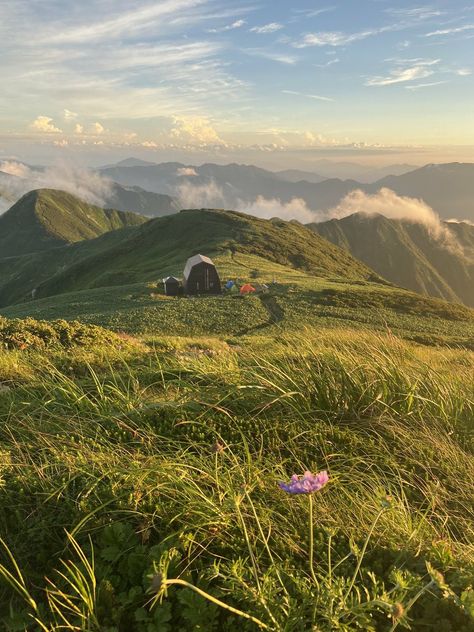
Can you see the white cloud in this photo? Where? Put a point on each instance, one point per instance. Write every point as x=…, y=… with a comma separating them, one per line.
x=420, y=69
x=269, y=208
x=149, y=144
x=272, y=27
x=89, y=186
x=78, y=129
x=61, y=143
x=98, y=128
x=195, y=130
x=127, y=23
x=451, y=31
x=69, y=115
x=419, y=86
x=418, y=13
x=331, y=62
x=282, y=58
x=387, y=203
x=200, y=196
x=317, y=97
x=228, y=27
x=13, y=168
x=45, y=124
x=186, y=171
x=463, y=72
x=333, y=38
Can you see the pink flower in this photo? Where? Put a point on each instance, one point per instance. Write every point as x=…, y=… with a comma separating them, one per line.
x=306, y=484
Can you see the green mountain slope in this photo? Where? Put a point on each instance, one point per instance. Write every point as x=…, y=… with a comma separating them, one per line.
x=408, y=254
x=47, y=218
x=162, y=246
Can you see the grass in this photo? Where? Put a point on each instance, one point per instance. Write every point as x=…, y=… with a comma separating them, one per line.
x=296, y=300
x=139, y=484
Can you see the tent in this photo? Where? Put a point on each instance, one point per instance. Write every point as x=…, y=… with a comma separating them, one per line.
x=234, y=289
x=229, y=285
x=247, y=289
x=200, y=276
x=172, y=286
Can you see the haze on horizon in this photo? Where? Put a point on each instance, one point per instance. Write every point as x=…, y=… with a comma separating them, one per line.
x=277, y=84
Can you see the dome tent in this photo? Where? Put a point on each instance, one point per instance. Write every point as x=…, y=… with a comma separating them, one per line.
x=247, y=289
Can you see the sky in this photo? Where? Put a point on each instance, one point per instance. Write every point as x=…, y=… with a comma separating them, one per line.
x=280, y=83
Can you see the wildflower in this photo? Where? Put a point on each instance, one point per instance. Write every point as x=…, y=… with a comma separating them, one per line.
x=397, y=611
x=306, y=484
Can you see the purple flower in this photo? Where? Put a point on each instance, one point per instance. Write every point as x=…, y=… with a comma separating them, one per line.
x=306, y=484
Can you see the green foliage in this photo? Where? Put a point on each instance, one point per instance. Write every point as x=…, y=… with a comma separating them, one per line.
x=138, y=485
x=33, y=334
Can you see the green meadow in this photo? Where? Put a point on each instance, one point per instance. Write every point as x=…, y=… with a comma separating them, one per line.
x=139, y=481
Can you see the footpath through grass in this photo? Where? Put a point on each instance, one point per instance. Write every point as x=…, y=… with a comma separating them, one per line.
x=139, y=484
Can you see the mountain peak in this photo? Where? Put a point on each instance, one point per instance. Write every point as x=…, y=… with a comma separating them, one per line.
x=48, y=218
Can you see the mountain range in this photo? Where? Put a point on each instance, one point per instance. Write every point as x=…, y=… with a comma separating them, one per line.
x=447, y=188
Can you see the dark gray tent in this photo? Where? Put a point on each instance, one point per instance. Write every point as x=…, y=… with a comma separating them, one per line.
x=200, y=276
x=172, y=286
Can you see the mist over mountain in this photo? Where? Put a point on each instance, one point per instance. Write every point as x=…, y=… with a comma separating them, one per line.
x=90, y=186
x=448, y=188
x=410, y=254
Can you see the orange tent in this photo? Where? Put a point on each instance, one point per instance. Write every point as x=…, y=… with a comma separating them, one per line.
x=247, y=289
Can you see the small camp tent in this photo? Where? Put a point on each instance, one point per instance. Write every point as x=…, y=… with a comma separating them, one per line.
x=229, y=285
x=247, y=289
x=200, y=276
x=172, y=286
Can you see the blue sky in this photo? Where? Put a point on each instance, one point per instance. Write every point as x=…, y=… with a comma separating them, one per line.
x=246, y=79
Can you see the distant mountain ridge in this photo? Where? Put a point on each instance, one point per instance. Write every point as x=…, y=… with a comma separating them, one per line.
x=47, y=218
x=447, y=188
x=111, y=194
x=408, y=254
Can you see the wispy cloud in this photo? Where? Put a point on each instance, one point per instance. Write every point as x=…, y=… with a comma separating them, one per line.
x=271, y=27
x=419, y=69
x=451, y=31
x=128, y=23
x=331, y=62
x=228, y=27
x=339, y=38
x=313, y=13
x=418, y=13
x=317, y=97
x=419, y=86
x=281, y=58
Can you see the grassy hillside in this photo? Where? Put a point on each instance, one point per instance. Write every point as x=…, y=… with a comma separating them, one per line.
x=47, y=218
x=409, y=254
x=295, y=301
x=162, y=246
x=140, y=483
